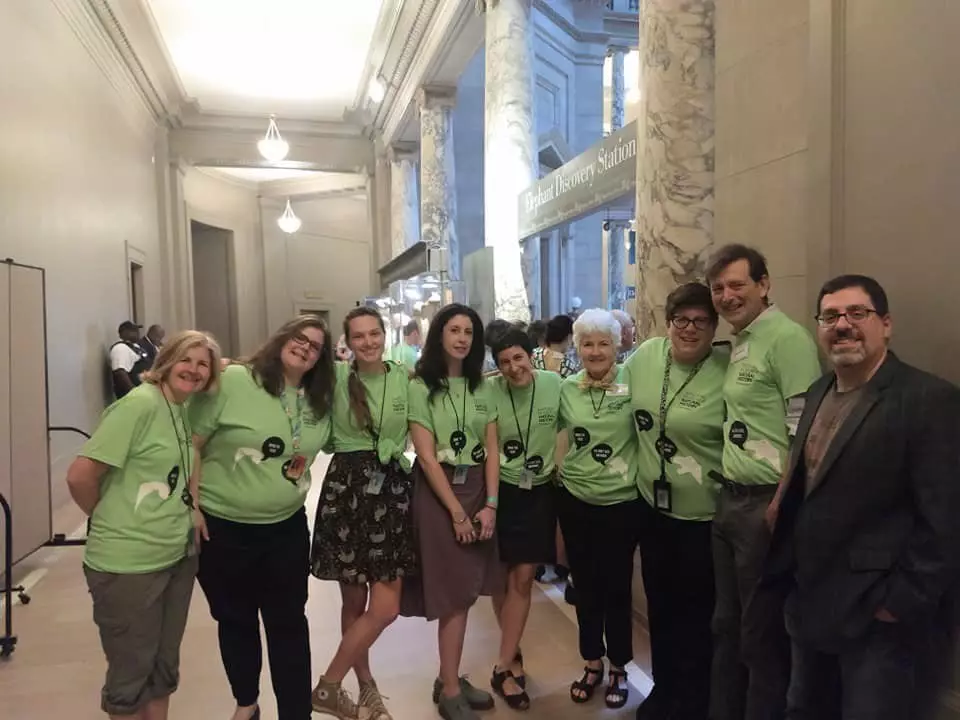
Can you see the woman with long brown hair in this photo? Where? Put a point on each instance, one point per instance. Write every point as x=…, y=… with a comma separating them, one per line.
x=362, y=536
x=258, y=438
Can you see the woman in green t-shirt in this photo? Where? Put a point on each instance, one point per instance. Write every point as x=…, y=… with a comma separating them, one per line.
x=676, y=387
x=132, y=479
x=258, y=437
x=362, y=536
x=453, y=422
x=597, y=504
x=528, y=406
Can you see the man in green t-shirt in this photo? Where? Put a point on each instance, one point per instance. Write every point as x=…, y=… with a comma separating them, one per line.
x=772, y=364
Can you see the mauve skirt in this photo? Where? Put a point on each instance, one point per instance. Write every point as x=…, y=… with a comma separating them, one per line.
x=452, y=576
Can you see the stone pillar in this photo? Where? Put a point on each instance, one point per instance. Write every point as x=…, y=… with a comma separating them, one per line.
x=509, y=152
x=532, y=276
x=617, y=90
x=404, y=200
x=616, y=266
x=554, y=263
x=675, y=154
x=569, y=268
x=438, y=197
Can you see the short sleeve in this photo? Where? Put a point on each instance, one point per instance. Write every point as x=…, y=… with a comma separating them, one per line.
x=562, y=419
x=205, y=408
x=120, y=428
x=122, y=358
x=490, y=396
x=418, y=405
x=795, y=362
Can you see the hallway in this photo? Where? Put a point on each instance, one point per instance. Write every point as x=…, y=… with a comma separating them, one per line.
x=57, y=669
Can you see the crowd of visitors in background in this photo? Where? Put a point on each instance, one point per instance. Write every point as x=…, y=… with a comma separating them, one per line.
x=797, y=529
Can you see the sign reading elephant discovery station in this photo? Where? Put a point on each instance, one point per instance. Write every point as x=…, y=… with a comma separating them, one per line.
x=601, y=174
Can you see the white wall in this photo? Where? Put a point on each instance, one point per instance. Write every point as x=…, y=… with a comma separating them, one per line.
x=77, y=183
x=233, y=206
x=327, y=265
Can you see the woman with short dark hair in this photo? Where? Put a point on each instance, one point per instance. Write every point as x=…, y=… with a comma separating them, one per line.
x=676, y=394
x=528, y=405
x=258, y=437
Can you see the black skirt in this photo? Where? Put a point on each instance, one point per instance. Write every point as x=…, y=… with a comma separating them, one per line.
x=359, y=537
x=527, y=524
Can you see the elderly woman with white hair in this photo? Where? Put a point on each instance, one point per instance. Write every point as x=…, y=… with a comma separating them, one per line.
x=597, y=504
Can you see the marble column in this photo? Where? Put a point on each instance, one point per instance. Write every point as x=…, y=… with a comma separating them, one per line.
x=616, y=266
x=438, y=197
x=617, y=90
x=509, y=153
x=569, y=268
x=675, y=154
x=404, y=200
x=555, y=289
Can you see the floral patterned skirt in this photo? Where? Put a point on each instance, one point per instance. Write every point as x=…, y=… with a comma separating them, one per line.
x=361, y=534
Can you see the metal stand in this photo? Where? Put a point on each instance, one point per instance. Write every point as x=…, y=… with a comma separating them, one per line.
x=8, y=642
x=60, y=539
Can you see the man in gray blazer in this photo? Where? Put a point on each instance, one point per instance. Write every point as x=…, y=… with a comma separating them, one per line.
x=867, y=520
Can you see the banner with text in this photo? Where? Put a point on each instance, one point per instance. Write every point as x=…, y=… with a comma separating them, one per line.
x=603, y=173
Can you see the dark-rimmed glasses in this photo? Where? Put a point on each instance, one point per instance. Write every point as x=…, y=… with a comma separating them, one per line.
x=854, y=315
x=681, y=322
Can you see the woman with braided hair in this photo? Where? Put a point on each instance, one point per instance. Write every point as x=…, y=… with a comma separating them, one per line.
x=362, y=536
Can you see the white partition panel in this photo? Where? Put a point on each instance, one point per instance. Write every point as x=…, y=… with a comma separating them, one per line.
x=24, y=459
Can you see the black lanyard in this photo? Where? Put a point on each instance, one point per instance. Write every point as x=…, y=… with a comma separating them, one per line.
x=596, y=407
x=375, y=431
x=186, y=497
x=665, y=406
x=462, y=429
x=533, y=396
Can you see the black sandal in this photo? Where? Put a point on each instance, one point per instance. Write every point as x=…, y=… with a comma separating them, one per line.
x=518, y=701
x=585, y=685
x=522, y=677
x=616, y=696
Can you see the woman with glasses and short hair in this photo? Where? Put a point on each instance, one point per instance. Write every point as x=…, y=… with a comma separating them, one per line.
x=597, y=504
x=140, y=561
x=676, y=385
x=258, y=437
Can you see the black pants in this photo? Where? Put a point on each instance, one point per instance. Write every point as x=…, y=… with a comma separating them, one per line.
x=251, y=571
x=600, y=541
x=877, y=677
x=677, y=565
x=751, y=653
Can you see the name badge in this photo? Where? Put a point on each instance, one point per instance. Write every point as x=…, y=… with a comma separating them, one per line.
x=662, y=496
x=526, y=480
x=375, y=480
x=460, y=474
x=618, y=390
x=742, y=352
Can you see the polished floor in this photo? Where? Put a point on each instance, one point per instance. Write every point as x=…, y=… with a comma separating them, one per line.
x=57, y=669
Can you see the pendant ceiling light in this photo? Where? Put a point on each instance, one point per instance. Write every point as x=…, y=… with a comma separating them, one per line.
x=289, y=222
x=273, y=147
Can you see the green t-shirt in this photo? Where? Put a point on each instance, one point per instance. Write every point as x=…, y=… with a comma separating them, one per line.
x=455, y=414
x=404, y=354
x=694, y=426
x=249, y=443
x=773, y=359
x=387, y=400
x=600, y=465
x=141, y=523
x=536, y=406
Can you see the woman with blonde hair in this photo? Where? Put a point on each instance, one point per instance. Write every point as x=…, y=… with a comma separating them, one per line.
x=140, y=561
x=258, y=437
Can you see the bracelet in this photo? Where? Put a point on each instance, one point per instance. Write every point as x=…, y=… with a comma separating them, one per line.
x=492, y=501
x=460, y=522
x=491, y=507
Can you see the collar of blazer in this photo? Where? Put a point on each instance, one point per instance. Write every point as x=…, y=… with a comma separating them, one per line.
x=881, y=379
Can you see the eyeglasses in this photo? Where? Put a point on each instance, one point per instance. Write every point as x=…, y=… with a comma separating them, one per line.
x=301, y=339
x=853, y=315
x=682, y=322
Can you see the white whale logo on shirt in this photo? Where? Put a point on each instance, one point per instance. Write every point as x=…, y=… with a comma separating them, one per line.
x=160, y=488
